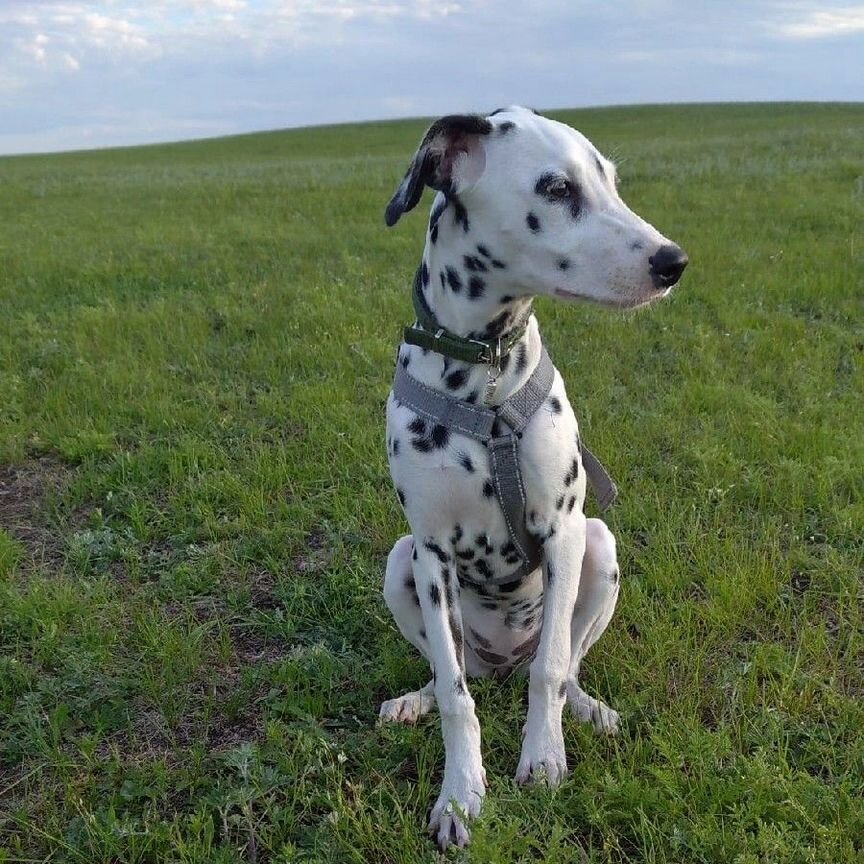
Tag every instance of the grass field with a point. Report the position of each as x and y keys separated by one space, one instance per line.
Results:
x=195 y=348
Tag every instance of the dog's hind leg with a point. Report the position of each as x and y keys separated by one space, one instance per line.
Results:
x=595 y=604
x=400 y=594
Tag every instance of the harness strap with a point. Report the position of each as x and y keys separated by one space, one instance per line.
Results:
x=603 y=485
x=438 y=407
x=504 y=459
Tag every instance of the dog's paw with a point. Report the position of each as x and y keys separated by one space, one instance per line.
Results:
x=542 y=759
x=408 y=708
x=589 y=710
x=459 y=801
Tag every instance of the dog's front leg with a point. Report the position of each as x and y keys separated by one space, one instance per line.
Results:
x=464 y=777
x=543 y=740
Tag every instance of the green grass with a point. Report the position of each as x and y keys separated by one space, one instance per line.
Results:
x=195 y=348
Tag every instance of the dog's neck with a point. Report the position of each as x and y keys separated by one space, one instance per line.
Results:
x=490 y=313
x=465 y=284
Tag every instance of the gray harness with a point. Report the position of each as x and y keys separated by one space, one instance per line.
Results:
x=513 y=414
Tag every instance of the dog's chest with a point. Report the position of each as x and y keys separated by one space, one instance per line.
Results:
x=445 y=484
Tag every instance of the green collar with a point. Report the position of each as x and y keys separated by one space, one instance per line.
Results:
x=431 y=335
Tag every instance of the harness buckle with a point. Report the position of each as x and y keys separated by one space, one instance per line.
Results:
x=493 y=371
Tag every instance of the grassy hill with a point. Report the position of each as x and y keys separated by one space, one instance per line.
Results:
x=195 y=348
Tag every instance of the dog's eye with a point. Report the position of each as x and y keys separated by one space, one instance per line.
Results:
x=559 y=188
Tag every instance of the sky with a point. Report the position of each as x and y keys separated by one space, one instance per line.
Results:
x=94 y=73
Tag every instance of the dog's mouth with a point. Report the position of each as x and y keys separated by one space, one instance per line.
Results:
x=617 y=303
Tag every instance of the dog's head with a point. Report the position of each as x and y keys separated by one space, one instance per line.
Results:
x=540 y=193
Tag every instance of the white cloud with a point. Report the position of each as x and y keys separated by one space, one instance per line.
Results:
x=821 y=23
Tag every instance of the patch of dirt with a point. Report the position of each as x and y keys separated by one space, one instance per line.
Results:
x=316 y=557
x=23 y=489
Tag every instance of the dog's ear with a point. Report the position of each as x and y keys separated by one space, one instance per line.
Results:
x=450 y=158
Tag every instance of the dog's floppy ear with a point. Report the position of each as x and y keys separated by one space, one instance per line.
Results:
x=450 y=157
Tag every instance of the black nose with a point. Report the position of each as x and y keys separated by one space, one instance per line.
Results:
x=667 y=265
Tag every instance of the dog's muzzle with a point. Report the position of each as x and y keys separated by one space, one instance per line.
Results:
x=667 y=265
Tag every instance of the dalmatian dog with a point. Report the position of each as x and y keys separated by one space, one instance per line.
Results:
x=525 y=206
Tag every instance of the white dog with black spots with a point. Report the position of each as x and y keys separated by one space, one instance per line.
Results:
x=526 y=206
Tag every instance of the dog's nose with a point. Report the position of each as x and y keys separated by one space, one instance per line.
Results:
x=667 y=264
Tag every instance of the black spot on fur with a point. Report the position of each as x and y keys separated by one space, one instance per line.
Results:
x=562 y=690
x=435 y=215
x=510 y=587
x=424 y=274
x=522 y=357
x=483 y=569
x=410 y=586
x=599 y=166
x=448 y=588
x=571 y=503
x=443 y=279
x=401 y=496
x=637 y=246
x=507 y=548
x=406 y=359
x=512 y=559
x=465 y=554
x=466 y=463
x=459 y=685
x=488 y=489
x=395 y=446
x=417 y=426
x=456 y=379
x=497 y=325
x=555 y=404
x=483 y=250
x=533 y=222
x=435 y=594
x=454 y=280
x=573 y=473
x=506 y=126
x=458 y=641
x=413 y=553
x=460 y=214
x=506 y=298
x=483 y=542
x=422 y=629
x=559 y=503
x=473 y=263
x=437 y=551
x=472 y=397
x=550 y=572
x=476 y=287
x=440 y=435
x=457 y=534
x=433 y=234
x=482 y=641
x=563 y=263
x=498 y=265
x=421 y=445
x=489 y=604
